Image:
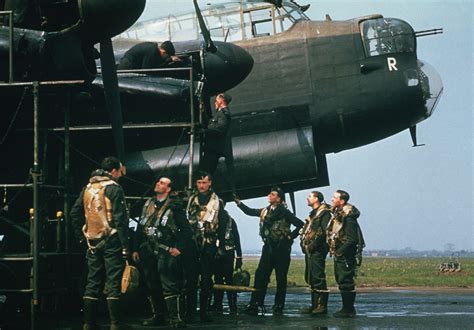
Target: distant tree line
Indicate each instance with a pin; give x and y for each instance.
(405, 252)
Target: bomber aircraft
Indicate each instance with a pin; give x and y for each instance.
(316, 87)
(301, 89)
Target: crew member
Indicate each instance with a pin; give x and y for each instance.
(302, 7)
(162, 234)
(343, 238)
(275, 230)
(315, 249)
(224, 267)
(208, 220)
(100, 213)
(279, 3)
(148, 55)
(217, 140)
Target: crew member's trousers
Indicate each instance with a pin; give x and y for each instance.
(344, 271)
(274, 257)
(315, 274)
(106, 258)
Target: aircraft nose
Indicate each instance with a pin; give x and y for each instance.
(431, 85)
(104, 19)
(227, 67)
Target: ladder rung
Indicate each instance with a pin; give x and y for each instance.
(129, 126)
(16, 258)
(17, 290)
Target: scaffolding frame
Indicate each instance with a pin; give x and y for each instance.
(36, 173)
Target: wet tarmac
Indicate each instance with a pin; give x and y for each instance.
(388, 308)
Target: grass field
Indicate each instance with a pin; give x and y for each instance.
(385, 272)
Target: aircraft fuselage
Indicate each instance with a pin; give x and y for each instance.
(316, 87)
(349, 99)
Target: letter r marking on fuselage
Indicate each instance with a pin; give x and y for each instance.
(392, 62)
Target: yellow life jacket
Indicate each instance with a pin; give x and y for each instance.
(97, 209)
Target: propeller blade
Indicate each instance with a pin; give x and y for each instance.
(413, 137)
(112, 94)
(277, 3)
(205, 32)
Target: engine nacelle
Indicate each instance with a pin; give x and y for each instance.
(286, 158)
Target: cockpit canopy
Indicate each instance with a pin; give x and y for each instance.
(387, 36)
(232, 21)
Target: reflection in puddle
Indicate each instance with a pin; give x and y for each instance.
(394, 314)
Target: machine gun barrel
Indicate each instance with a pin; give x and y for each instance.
(424, 33)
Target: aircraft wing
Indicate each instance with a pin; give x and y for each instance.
(151, 86)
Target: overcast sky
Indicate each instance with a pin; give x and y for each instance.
(409, 197)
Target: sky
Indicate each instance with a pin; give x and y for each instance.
(409, 197)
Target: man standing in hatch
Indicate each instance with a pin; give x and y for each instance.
(217, 140)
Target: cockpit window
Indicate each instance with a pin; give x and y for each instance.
(265, 20)
(232, 21)
(387, 36)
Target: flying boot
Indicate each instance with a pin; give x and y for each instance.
(90, 313)
(321, 307)
(175, 308)
(348, 310)
(191, 302)
(157, 317)
(314, 299)
(203, 314)
(232, 298)
(218, 300)
(115, 315)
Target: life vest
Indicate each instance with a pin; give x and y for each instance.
(204, 219)
(312, 229)
(336, 235)
(97, 209)
(159, 225)
(273, 230)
